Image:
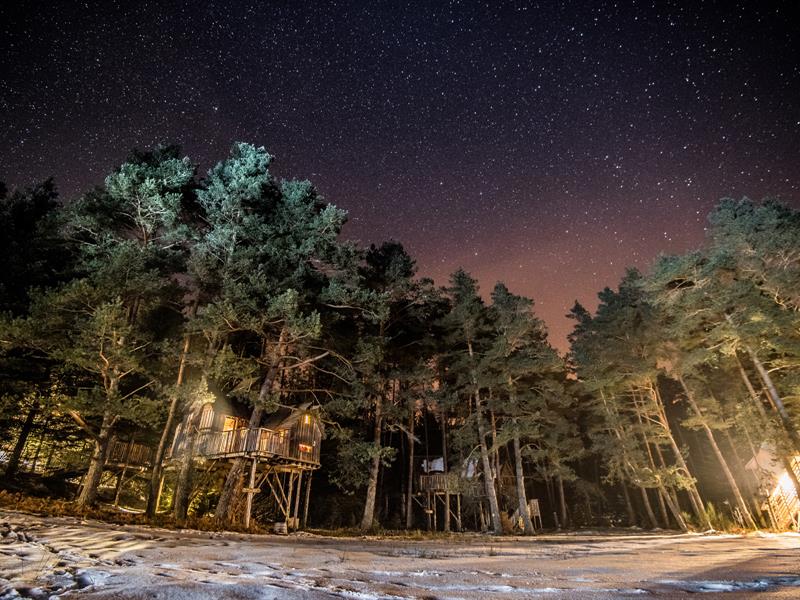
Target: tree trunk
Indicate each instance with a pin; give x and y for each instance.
(158, 469)
(694, 495)
(663, 464)
(231, 489)
(562, 500)
(776, 399)
(183, 484)
(675, 509)
(410, 486)
(648, 509)
(368, 517)
(628, 505)
(91, 481)
(494, 451)
(229, 497)
(234, 480)
(662, 506)
(22, 439)
(522, 499)
(548, 482)
(671, 497)
(749, 522)
(446, 465)
(631, 471)
(660, 490)
(772, 391)
(755, 397)
(488, 473)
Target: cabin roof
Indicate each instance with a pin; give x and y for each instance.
(286, 416)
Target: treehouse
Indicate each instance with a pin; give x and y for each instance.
(777, 488)
(436, 487)
(126, 459)
(280, 451)
(436, 490)
(289, 437)
(129, 453)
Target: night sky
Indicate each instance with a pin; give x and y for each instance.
(548, 145)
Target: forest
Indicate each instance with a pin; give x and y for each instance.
(127, 310)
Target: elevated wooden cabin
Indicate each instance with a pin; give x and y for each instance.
(284, 447)
(291, 436)
(776, 487)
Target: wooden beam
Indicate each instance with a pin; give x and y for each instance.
(249, 504)
(281, 502)
(308, 495)
(289, 499)
(297, 499)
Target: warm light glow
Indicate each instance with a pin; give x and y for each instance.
(307, 419)
(304, 448)
(786, 486)
(232, 423)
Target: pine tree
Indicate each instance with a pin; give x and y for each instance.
(101, 324)
(467, 327)
(284, 241)
(520, 362)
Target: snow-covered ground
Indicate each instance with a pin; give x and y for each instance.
(70, 558)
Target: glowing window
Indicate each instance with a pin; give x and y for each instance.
(232, 423)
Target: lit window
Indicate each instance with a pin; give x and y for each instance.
(232, 423)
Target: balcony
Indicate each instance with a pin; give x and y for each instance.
(258, 442)
(130, 454)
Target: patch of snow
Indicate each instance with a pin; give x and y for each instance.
(756, 585)
(90, 577)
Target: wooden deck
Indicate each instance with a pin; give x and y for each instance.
(131, 454)
(440, 482)
(262, 443)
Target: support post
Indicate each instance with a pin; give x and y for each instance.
(250, 491)
(305, 504)
(160, 491)
(428, 510)
(296, 518)
(289, 499)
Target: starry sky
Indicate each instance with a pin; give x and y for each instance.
(545, 144)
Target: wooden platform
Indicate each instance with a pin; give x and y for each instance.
(264, 444)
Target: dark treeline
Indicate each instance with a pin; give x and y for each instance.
(126, 310)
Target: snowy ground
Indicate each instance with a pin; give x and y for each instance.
(69, 558)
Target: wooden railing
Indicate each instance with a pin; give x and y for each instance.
(439, 482)
(127, 453)
(258, 441)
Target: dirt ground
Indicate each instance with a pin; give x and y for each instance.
(70, 558)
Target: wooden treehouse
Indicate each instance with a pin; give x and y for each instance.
(776, 487)
(441, 494)
(438, 488)
(126, 459)
(129, 453)
(281, 454)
